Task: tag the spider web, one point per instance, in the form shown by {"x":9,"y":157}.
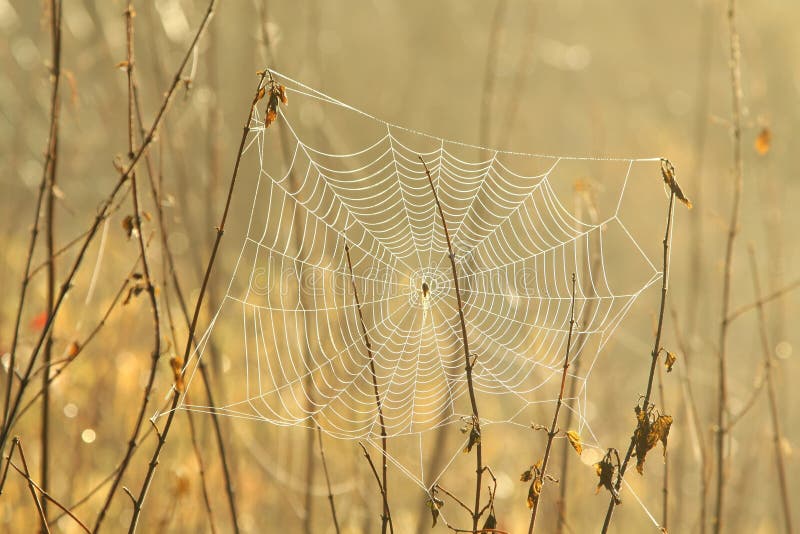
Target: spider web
{"x":298,"y":355}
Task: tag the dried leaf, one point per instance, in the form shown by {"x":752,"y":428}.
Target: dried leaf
{"x":526,"y":476}
{"x":763,"y":141}
{"x":123,"y":65}
{"x":491,"y":521}
{"x":605,"y":471}
{"x":39,"y":320}
{"x":176,"y":363}
{"x":533,"y":493}
{"x":129,"y":227}
{"x":282,"y":95}
{"x":575,"y":440}
{"x":260,"y":95}
{"x":474,"y":439}
{"x":73,"y":349}
{"x":670,"y":360}
{"x":433,"y":505}
{"x":668,"y":172}
{"x":650,"y":429}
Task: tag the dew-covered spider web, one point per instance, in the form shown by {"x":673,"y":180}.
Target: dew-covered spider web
{"x":325,"y":175}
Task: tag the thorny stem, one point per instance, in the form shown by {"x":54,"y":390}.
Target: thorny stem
{"x":55,"y":29}
{"x":148,"y":281}
{"x":733,"y":229}
{"x":98,"y":219}
{"x":653,"y":355}
{"x":777,"y":435}
{"x":327,"y":480}
{"x":554,"y":425}
{"x":386,"y":517}
{"x":468,"y":363}
{"x":162,"y":436}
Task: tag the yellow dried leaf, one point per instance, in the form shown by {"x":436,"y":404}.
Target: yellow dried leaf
{"x":763,"y":141}
{"x":670,"y":360}
{"x":668,"y":173}
{"x":176,"y":363}
{"x":575,"y":440}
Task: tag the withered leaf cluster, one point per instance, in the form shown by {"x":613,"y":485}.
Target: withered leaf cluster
{"x":277,"y":95}
{"x":668,"y":172}
{"x":650,"y":429}
{"x":533,"y":475}
{"x":605,"y":469}
{"x":433,"y":504}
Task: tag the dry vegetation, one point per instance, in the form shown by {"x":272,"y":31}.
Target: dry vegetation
{"x":122,"y":142}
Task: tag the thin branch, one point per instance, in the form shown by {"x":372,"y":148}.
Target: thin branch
{"x":591,"y":264}
{"x":162,"y":437}
{"x":16,"y":443}
{"x":201,"y":467}
{"x":327,"y":481}
{"x":727,"y":276}
{"x":386,"y":516}
{"x":99,"y":218}
{"x":777,"y":435}
{"x":665,"y":482}
{"x":612,"y":503}
{"x":170,"y":268}
{"x":468,"y":362}
{"x":738,"y":312}
{"x":56,"y":7}
{"x":554,"y":425}
{"x":148,"y":279}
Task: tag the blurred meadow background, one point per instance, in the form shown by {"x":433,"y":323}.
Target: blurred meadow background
{"x":569,"y":77}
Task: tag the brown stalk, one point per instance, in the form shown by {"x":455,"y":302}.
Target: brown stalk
{"x":386,"y":516}
{"x":727,"y":276}
{"x":44,"y":184}
{"x":98,"y":219}
{"x":162,"y":436}
{"x":665,"y":483}
{"x":612,"y":503}
{"x":554,"y":425}
{"x":202,"y":468}
{"x":17,"y":444}
{"x":468,"y":362}
{"x":148,"y":281}
{"x":738,"y":312}
{"x":589,"y":266}
{"x":169,"y":268}
{"x":327,"y":481}
{"x":55,"y":31}
{"x":380,"y":486}
{"x":35,"y":487}
{"x":777,"y":435}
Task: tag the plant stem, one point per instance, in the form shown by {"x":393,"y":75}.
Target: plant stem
{"x":148,"y":281}
{"x":727,"y":276}
{"x":554,"y":425}
{"x":468,"y":363}
{"x":612,"y":503}
{"x":777,"y":435}
{"x":327,"y":480}
{"x":55,"y":31}
{"x":162,"y":436}
{"x":386,"y":517}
